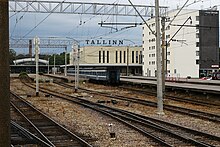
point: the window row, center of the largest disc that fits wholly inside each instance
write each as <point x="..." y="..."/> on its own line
<point x="121" y="57"/>
<point x="152" y="47"/>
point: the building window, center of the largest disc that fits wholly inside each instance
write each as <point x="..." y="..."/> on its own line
<point x="100" y="56"/>
<point x="153" y="47"/>
<point x="167" y="36"/>
<point x="168" y="61"/>
<point x="174" y="71"/>
<point x="140" y="58"/>
<point x="197" y="53"/>
<point x="103" y="57"/>
<point x="143" y="35"/>
<point x="168" y="28"/>
<point x="197" y="35"/>
<point x="116" y="56"/>
<point x="197" y="61"/>
<point x="136" y="56"/>
<point x="124" y="56"/>
<point x="149" y="63"/>
<point x="120" y="58"/>
<point x="149" y="33"/>
<point x="168" y="53"/>
<point x="197" y="18"/>
<point x="149" y="55"/>
<point x="149" y="48"/>
<point x="197" y="44"/>
<point x="132" y="60"/>
<point x="107" y="56"/>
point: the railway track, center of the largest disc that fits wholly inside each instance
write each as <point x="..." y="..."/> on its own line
<point x="185" y="111"/>
<point x="21" y="136"/>
<point x="163" y="133"/>
<point x="175" y="98"/>
<point x="42" y="126"/>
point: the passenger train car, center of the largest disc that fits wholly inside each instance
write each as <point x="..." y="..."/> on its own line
<point x="106" y="76"/>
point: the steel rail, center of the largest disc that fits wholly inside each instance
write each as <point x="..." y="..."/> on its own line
<point x="66" y="131"/>
<point x="91" y="105"/>
<point x="31" y="123"/>
<point x="185" y="111"/>
<point x="28" y="135"/>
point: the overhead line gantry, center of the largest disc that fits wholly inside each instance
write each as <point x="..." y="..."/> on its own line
<point x="81" y="8"/>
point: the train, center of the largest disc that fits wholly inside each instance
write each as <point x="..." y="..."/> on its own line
<point x="216" y="76"/>
<point x="109" y="76"/>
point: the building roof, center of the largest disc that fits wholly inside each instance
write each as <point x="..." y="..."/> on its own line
<point x="20" y="61"/>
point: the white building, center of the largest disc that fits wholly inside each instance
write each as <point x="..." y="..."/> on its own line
<point x="121" y="57"/>
<point x="193" y="51"/>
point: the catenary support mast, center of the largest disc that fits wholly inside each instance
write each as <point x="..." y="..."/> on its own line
<point x="159" y="59"/>
<point x="4" y="76"/>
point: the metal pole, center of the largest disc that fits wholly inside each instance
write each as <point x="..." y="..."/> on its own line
<point x="48" y="68"/>
<point x="5" y="139"/>
<point x="127" y="60"/>
<point x="159" y="65"/>
<point x="36" y="43"/>
<point x="78" y="52"/>
<point x="163" y="53"/>
<point x="65" y="70"/>
<point x="54" y="62"/>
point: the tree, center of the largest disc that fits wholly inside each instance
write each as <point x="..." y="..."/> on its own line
<point x="12" y="56"/>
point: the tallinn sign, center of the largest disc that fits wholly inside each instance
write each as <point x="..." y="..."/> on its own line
<point x="105" y="42"/>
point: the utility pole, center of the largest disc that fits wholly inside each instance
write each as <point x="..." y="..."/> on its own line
<point x="163" y="19"/>
<point x="65" y="70"/>
<point x="159" y="65"/>
<point x="54" y="64"/>
<point x="127" y="60"/>
<point x="37" y="51"/>
<point x="5" y="137"/>
<point x="78" y="56"/>
<point x="48" y="68"/>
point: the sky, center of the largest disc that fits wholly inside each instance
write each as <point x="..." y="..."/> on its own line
<point x="83" y="27"/>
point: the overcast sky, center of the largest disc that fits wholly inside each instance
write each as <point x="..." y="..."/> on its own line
<point x="82" y="27"/>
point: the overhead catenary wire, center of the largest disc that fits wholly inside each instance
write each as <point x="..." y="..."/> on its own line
<point x="42" y="20"/>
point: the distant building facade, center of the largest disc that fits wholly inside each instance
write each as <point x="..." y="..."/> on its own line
<point x="193" y="51"/>
<point x="121" y="57"/>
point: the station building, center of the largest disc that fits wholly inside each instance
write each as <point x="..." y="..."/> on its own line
<point x="29" y="65"/>
<point x="120" y="57"/>
<point x="193" y="51"/>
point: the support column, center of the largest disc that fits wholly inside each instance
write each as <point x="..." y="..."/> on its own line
<point x="5" y="138"/>
<point x="159" y="60"/>
<point x="65" y="69"/>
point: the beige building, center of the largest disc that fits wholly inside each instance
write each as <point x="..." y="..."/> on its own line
<point x="121" y="57"/>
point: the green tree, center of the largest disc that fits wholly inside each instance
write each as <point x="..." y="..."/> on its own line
<point x="12" y="56"/>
